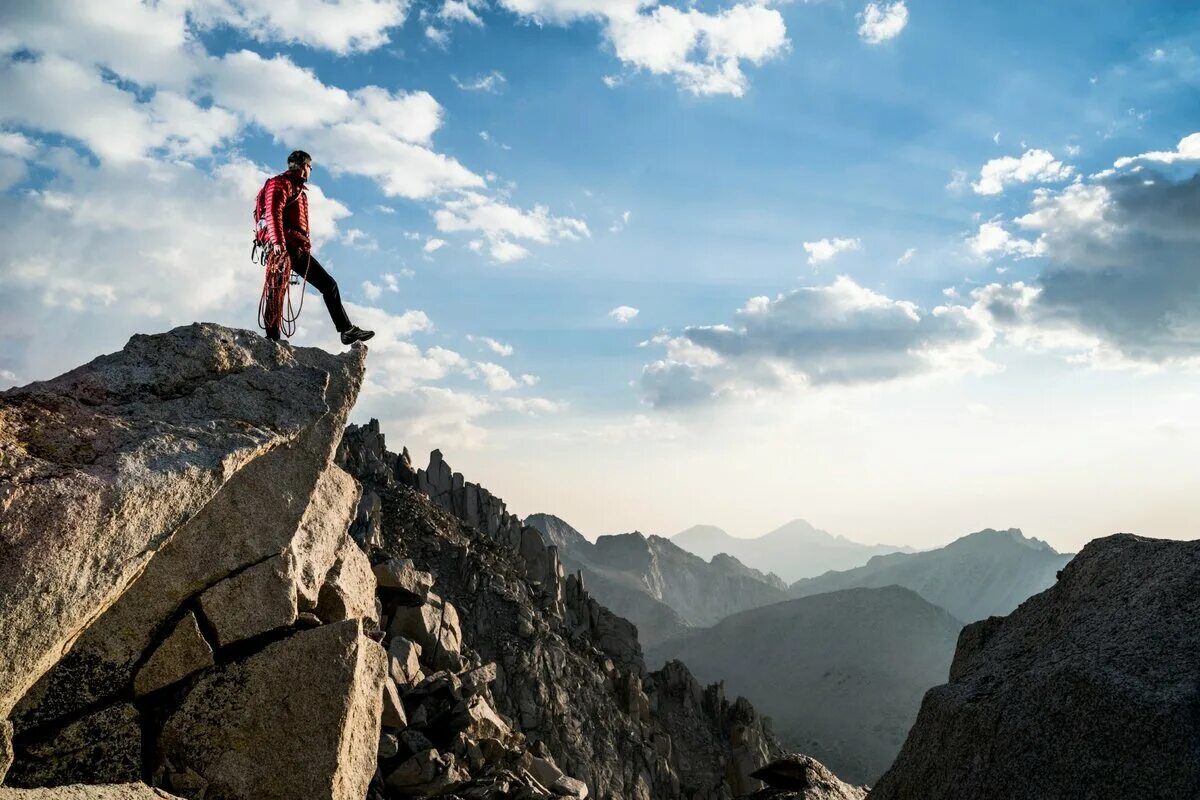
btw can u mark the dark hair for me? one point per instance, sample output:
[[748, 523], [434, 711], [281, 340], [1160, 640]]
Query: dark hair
[[298, 159]]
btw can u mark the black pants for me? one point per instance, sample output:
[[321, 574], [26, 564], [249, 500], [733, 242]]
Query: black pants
[[306, 266]]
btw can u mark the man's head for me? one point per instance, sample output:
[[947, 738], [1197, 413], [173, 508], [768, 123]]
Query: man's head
[[301, 162]]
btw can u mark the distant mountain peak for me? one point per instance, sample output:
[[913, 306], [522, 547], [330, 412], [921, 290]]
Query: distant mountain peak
[[1005, 536]]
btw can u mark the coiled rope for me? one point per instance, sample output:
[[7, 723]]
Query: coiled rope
[[275, 308]]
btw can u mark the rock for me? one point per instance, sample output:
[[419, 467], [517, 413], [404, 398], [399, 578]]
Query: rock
[[126, 791], [1086, 690], [485, 723], [804, 778], [349, 588], [393, 707], [474, 680], [258, 600], [184, 652], [434, 626], [427, 773], [6, 751], [405, 657], [403, 582], [567, 786], [298, 719], [531, 646], [234, 531], [106, 464], [389, 746], [104, 746]]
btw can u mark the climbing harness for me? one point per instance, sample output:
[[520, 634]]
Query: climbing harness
[[275, 310]]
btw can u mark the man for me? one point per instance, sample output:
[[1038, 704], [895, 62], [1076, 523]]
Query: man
[[286, 216]]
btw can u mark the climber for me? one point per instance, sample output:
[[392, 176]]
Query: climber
[[281, 213]]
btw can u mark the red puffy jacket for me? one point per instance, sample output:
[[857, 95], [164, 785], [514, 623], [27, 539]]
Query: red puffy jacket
[[284, 207]]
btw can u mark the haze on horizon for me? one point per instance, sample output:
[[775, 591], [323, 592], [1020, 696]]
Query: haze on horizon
[[903, 269]]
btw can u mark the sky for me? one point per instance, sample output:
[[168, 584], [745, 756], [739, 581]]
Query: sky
[[905, 269]]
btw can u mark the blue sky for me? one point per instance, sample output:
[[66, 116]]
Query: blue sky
[[852, 166]]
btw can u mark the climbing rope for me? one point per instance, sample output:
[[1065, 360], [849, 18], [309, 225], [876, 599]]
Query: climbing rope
[[275, 308]]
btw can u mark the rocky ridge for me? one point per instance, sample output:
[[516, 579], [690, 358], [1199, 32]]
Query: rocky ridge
[[566, 678], [656, 584], [1087, 690]]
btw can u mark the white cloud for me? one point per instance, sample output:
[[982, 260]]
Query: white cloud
[[360, 240], [533, 406], [438, 36], [433, 245], [824, 250], [372, 291], [623, 314], [880, 22], [497, 378], [838, 334], [906, 257], [1033, 165], [108, 120], [499, 348], [620, 223], [500, 223], [491, 82], [703, 52], [992, 239], [343, 26], [1188, 149], [505, 252], [459, 11]]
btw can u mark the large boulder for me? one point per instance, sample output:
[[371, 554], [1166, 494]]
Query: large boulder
[[104, 465], [1089, 689], [210, 563], [203, 617], [298, 719]]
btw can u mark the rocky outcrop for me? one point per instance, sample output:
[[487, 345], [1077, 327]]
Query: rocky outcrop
[[657, 585], [218, 632], [840, 674], [100, 467], [984, 573], [800, 777], [508, 674], [127, 791], [1088, 689]]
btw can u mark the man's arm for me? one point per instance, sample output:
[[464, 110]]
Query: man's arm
[[276, 197]]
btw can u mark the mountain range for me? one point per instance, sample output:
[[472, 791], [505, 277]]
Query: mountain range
[[983, 574], [840, 674], [657, 585], [793, 551]]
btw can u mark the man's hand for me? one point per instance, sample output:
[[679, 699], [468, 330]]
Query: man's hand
[[277, 248]]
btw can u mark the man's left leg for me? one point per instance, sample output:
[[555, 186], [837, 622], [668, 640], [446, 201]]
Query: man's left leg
[[324, 283]]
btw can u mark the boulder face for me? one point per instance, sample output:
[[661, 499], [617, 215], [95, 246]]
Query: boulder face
[[102, 465], [214, 638], [1099, 672], [511, 677]]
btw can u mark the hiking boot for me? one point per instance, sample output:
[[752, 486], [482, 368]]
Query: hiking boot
[[356, 334]]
